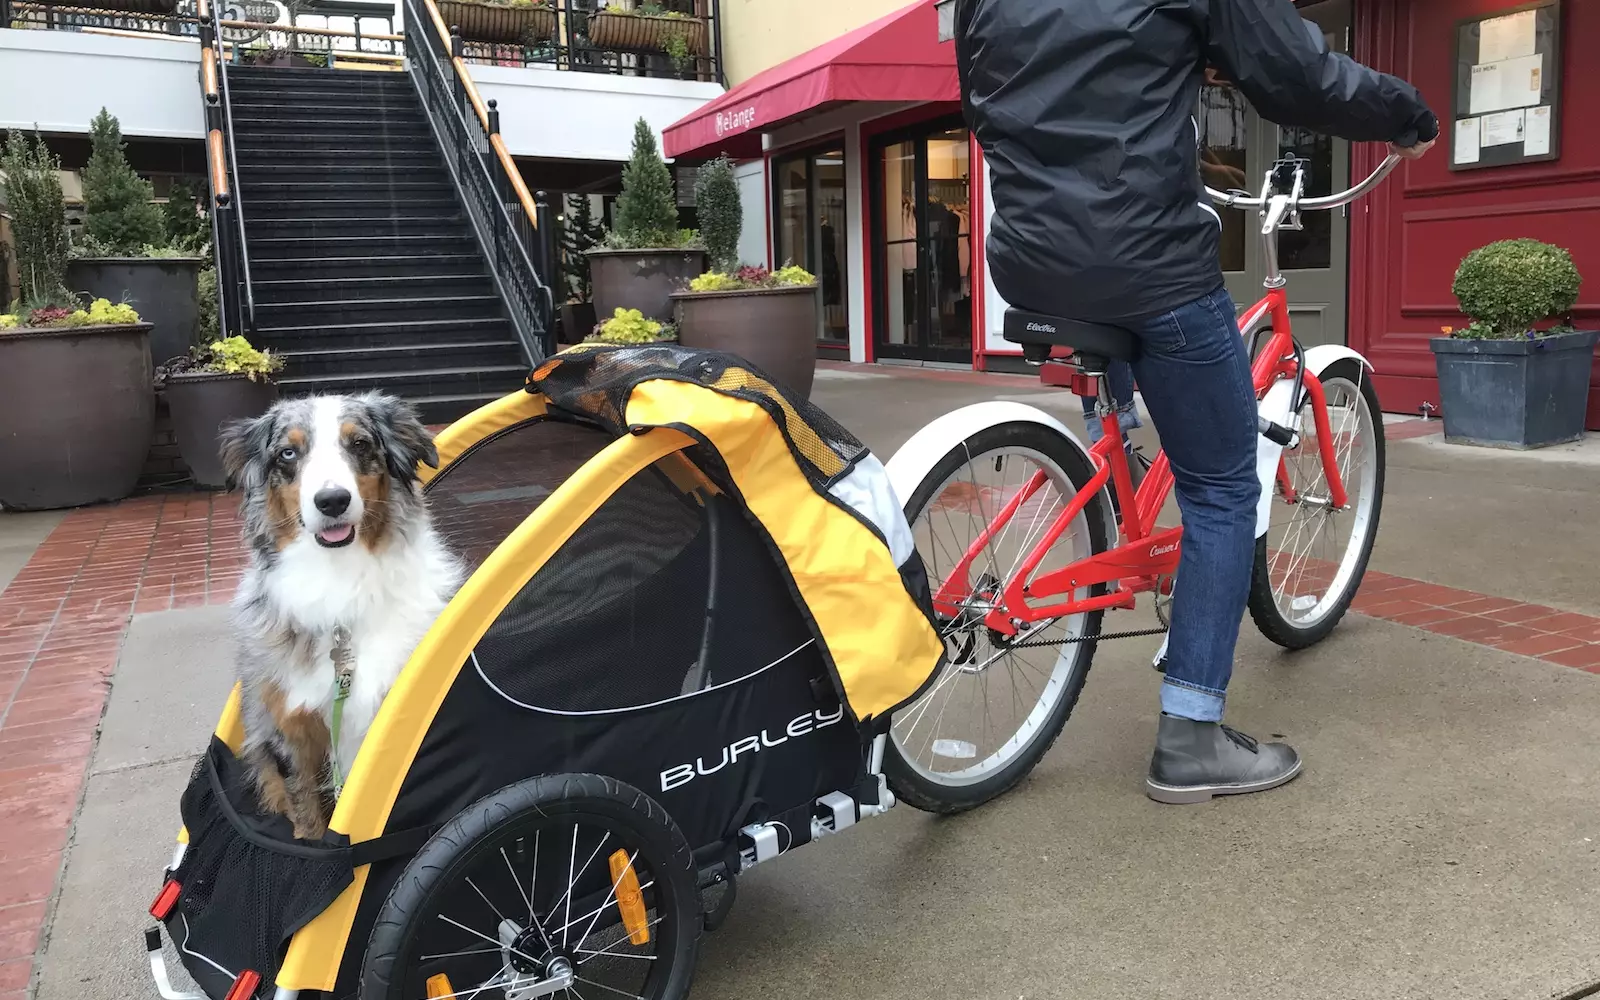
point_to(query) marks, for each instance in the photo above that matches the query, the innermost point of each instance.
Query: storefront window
(924, 227)
(809, 196)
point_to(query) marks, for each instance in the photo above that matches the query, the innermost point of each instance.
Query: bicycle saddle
(1038, 332)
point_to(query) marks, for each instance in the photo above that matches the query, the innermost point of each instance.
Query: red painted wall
(1406, 241)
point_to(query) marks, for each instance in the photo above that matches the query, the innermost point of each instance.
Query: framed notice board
(1506, 102)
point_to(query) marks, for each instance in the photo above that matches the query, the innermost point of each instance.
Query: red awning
(898, 57)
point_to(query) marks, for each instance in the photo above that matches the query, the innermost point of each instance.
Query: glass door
(809, 230)
(922, 287)
(1238, 147)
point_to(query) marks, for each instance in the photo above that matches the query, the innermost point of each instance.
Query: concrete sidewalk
(1443, 842)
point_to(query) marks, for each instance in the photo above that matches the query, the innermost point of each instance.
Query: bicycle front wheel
(1001, 699)
(1313, 556)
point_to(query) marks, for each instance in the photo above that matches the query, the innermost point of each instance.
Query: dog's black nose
(332, 500)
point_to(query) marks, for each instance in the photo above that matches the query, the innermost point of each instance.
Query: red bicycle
(1029, 537)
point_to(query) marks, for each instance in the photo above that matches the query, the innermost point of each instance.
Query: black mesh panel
(617, 618)
(597, 381)
(483, 495)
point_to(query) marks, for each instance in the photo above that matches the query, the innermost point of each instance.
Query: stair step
(262, 155)
(494, 380)
(434, 225)
(398, 104)
(403, 190)
(285, 247)
(318, 174)
(312, 126)
(403, 357)
(295, 75)
(345, 268)
(385, 287)
(338, 208)
(382, 334)
(395, 309)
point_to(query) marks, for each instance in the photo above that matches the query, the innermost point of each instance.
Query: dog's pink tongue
(336, 534)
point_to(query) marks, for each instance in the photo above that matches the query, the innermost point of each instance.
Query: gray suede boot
(1197, 760)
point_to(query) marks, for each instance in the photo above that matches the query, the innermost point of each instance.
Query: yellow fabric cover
(881, 644)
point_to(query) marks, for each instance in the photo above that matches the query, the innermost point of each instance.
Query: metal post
(228, 276)
(5, 13)
(494, 117)
(548, 264)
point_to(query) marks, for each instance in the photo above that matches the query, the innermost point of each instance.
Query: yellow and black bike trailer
(694, 604)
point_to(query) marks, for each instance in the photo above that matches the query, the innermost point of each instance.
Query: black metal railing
(576, 35)
(509, 223)
(236, 296)
(671, 39)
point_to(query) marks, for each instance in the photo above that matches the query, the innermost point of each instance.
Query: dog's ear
(241, 440)
(405, 441)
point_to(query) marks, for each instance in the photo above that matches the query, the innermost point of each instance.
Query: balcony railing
(672, 39)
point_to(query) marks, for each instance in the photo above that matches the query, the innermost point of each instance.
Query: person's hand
(1413, 152)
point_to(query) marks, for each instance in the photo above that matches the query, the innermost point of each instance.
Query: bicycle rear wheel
(1310, 563)
(995, 709)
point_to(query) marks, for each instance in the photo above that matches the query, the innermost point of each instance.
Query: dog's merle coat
(339, 535)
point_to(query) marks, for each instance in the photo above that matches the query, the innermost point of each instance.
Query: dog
(344, 562)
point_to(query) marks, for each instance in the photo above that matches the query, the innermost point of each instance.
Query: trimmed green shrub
(647, 209)
(716, 194)
(1508, 286)
(120, 213)
(580, 232)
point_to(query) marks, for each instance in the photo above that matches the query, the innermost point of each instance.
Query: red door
(1407, 238)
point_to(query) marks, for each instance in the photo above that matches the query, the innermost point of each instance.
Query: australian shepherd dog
(345, 568)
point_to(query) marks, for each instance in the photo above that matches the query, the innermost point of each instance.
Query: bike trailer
(693, 604)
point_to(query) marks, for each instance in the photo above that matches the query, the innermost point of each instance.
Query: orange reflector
(439, 986)
(244, 985)
(165, 900)
(630, 899)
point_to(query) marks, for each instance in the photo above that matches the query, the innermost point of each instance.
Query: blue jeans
(1194, 374)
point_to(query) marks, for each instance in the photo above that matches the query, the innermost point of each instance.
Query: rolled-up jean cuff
(1191, 703)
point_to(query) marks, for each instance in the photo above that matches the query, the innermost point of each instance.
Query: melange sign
(736, 121)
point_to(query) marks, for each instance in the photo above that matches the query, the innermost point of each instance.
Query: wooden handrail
(218, 162)
(208, 71)
(518, 186)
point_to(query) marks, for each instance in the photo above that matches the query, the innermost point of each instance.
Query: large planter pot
(645, 32)
(774, 329)
(200, 403)
(165, 291)
(76, 414)
(481, 22)
(577, 321)
(1514, 393)
(641, 279)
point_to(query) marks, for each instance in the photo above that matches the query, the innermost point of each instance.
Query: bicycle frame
(1147, 555)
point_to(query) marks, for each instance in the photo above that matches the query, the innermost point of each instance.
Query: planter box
(645, 32)
(200, 404)
(1514, 393)
(78, 411)
(481, 22)
(641, 279)
(775, 329)
(164, 290)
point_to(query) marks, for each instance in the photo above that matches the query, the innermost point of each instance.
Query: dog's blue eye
(288, 454)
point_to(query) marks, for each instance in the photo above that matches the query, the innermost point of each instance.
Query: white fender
(1275, 407)
(915, 459)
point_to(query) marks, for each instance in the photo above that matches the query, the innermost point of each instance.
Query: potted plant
(125, 253)
(648, 27)
(1504, 381)
(501, 21)
(74, 382)
(767, 318)
(225, 380)
(580, 233)
(646, 256)
(630, 326)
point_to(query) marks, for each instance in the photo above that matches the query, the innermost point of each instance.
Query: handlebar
(1291, 201)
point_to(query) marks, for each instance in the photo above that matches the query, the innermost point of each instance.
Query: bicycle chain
(1040, 643)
